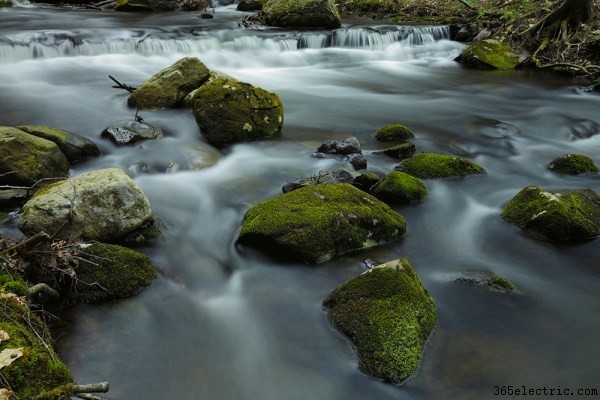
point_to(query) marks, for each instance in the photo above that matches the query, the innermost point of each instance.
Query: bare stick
(120, 85)
(100, 387)
(44, 289)
(464, 3)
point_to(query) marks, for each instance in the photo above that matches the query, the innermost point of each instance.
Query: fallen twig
(120, 85)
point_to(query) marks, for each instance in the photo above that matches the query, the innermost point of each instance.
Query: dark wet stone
(131, 132)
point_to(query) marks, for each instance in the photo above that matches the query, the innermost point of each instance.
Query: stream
(223, 323)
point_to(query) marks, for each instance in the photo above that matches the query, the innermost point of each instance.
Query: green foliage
(388, 315)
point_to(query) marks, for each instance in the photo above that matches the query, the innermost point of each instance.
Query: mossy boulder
(399, 188)
(251, 5)
(146, 5)
(314, 223)
(393, 133)
(573, 164)
(76, 147)
(169, 87)
(569, 215)
(400, 151)
(366, 181)
(388, 315)
(431, 166)
(103, 205)
(490, 54)
(302, 13)
(38, 371)
(25, 159)
(229, 111)
(109, 272)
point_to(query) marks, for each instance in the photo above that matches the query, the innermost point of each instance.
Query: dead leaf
(4, 336)
(8, 356)
(6, 394)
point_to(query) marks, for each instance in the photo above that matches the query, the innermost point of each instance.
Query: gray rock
(350, 145)
(130, 132)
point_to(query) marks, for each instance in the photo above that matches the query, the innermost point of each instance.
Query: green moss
(402, 150)
(109, 272)
(393, 133)
(387, 315)
(314, 223)
(573, 164)
(380, 6)
(502, 284)
(490, 54)
(430, 165)
(12, 284)
(399, 188)
(39, 370)
(486, 279)
(558, 215)
(302, 13)
(366, 181)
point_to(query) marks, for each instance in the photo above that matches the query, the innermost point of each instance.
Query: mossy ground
(399, 188)
(559, 215)
(573, 164)
(314, 223)
(387, 315)
(430, 166)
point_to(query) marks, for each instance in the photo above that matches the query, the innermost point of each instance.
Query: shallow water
(227, 323)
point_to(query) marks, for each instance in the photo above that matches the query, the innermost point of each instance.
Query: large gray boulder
(570, 215)
(302, 13)
(229, 111)
(388, 315)
(104, 205)
(314, 223)
(169, 87)
(25, 159)
(76, 147)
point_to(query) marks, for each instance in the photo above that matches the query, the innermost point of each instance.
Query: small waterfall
(69, 44)
(21, 3)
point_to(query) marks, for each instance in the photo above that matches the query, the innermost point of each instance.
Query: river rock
(76, 147)
(393, 133)
(358, 161)
(251, 5)
(573, 164)
(490, 54)
(430, 166)
(399, 188)
(302, 13)
(402, 150)
(130, 132)
(25, 159)
(485, 279)
(10, 198)
(115, 271)
(339, 175)
(314, 223)
(388, 315)
(146, 5)
(229, 111)
(366, 181)
(350, 145)
(559, 215)
(103, 205)
(169, 87)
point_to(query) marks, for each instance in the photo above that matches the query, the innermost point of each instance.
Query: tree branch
(120, 85)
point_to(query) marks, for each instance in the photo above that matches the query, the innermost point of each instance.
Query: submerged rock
(350, 145)
(402, 150)
(573, 164)
(339, 175)
(302, 13)
(25, 159)
(430, 165)
(399, 188)
(393, 133)
(490, 54)
(108, 272)
(169, 87)
(103, 205)
(387, 315)
(146, 5)
(485, 279)
(130, 132)
(229, 111)
(314, 223)
(76, 147)
(557, 215)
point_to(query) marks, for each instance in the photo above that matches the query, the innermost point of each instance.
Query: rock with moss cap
(399, 188)
(104, 205)
(36, 370)
(26, 159)
(431, 166)
(146, 5)
(251, 5)
(302, 13)
(314, 223)
(169, 87)
(400, 151)
(573, 164)
(490, 54)
(570, 215)
(393, 133)
(229, 111)
(387, 315)
(366, 181)
(76, 147)
(109, 272)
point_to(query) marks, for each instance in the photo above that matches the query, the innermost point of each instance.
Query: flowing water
(228, 323)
